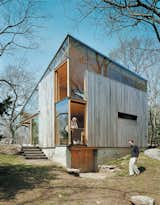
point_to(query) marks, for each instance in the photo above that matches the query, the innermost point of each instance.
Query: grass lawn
(44, 183)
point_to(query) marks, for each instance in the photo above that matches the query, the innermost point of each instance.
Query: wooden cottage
(85, 108)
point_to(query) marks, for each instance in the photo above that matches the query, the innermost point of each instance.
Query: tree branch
(123, 14)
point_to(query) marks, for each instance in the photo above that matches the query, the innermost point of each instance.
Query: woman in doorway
(74, 124)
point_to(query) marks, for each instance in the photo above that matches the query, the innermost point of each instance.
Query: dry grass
(147, 183)
(24, 184)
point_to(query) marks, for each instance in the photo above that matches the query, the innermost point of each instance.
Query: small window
(127, 116)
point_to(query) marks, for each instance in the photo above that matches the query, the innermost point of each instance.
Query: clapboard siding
(46, 108)
(106, 98)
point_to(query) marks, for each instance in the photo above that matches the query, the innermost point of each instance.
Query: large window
(61, 82)
(62, 122)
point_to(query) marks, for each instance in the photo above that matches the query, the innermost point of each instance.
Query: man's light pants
(132, 166)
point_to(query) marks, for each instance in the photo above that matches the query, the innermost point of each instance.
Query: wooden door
(83, 159)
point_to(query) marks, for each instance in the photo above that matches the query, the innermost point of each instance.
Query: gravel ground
(153, 153)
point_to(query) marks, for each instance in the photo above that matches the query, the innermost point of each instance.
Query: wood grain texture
(83, 158)
(46, 108)
(106, 98)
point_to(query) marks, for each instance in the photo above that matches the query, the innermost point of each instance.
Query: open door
(77, 122)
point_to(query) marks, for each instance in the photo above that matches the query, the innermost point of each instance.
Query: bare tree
(121, 14)
(5, 103)
(18, 20)
(22, 83)
(140, 55)
(154, 104)
(135, 54)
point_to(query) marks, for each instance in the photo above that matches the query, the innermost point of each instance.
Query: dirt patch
(105, 171)
(36, 182)
(40, 162)
(91, 175)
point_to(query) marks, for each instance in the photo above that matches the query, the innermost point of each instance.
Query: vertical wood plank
(47, 111)
(106, 98)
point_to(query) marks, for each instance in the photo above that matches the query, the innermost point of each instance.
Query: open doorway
(77, 123)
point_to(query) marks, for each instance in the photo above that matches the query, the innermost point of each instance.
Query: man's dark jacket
(134, 151)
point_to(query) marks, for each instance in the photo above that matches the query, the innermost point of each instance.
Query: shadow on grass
(14, 178)
(141, 169)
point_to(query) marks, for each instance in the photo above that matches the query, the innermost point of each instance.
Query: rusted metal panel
(83, 158)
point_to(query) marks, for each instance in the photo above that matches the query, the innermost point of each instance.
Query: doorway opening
(77, 122)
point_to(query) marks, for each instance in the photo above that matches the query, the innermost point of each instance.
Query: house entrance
(77, 122)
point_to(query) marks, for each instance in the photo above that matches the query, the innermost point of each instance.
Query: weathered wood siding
(106, 98)
(23, 135)
(46, 109)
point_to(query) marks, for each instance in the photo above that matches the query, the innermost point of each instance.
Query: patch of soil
(92, 175)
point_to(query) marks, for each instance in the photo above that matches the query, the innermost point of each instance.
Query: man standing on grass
(133, 169)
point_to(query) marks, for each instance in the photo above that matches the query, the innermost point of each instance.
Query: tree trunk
(12, 131)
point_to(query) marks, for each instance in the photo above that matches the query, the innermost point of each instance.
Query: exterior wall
(106, 98)
(83, 58)
(106, 154)
(59, 154)
(46, 111)
(62, 155)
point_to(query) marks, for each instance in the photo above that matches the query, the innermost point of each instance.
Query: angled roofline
(109, 59)
(48, 67)
(89, 47)
(45, 72)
